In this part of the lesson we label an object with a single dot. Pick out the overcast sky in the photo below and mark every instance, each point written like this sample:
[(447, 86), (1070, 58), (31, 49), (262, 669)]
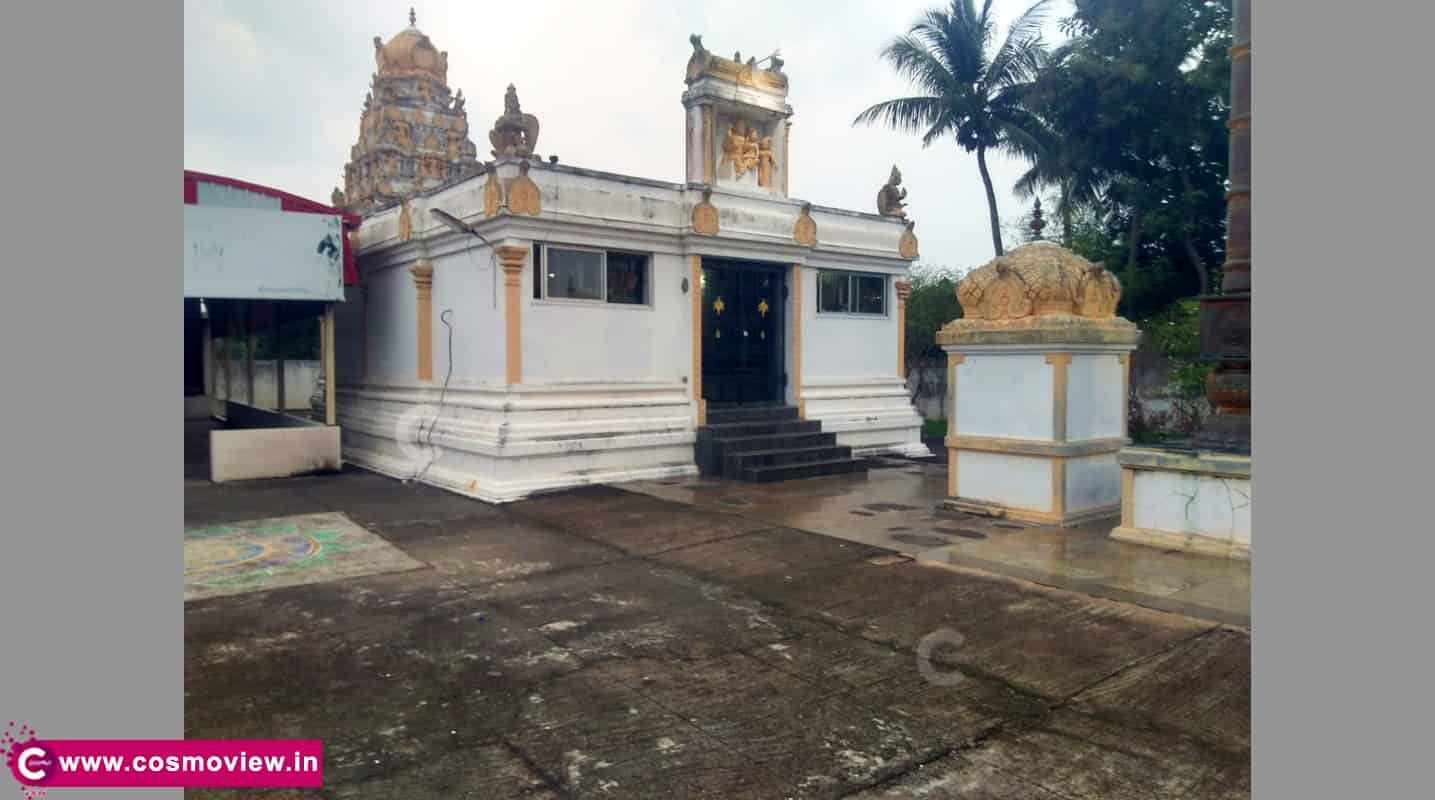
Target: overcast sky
[(273, 91)]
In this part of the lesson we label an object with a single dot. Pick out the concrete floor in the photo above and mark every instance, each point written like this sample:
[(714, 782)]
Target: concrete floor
[(607, 643), (896, 506)]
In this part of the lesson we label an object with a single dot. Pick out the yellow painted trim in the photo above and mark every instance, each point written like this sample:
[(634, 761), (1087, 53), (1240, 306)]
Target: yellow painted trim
[(697, 293), (1036, 447), (999, 511), (1189, 542), (423, 287), (1059, 362), (512, 259), (951, 473), (1128, 485), (797, 340), (903, 288), (1125, 390)]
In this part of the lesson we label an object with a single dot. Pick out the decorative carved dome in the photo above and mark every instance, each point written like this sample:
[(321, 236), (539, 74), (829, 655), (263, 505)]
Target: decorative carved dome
[(411, 53), (1038, 286)]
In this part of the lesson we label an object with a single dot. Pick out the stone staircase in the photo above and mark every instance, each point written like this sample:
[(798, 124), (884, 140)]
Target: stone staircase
[(769, 443)]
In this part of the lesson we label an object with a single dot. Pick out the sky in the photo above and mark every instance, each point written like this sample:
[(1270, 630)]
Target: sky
[(273, 91)]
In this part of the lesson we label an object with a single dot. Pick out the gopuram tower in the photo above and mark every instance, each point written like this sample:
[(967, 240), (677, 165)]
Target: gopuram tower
[(413, 134)]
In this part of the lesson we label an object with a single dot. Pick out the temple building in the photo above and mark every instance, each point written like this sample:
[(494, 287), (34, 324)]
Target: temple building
[(413, 134), (538, 325)]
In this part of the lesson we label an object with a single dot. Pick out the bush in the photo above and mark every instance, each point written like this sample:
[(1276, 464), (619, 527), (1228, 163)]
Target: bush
[(932, 304), (1174, 332)]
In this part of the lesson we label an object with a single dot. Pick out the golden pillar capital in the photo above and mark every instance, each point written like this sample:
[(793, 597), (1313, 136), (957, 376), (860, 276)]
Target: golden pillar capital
[(423, 276), (512, 259)]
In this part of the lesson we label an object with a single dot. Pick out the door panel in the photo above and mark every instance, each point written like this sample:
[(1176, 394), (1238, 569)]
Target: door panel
[(742, 308)]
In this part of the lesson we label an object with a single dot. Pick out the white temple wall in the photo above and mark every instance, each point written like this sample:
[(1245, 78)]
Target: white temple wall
[(847, 345), (393, 324), (850, 379), (1096, 405), (470, 284), (1005, 394), (587, 341)]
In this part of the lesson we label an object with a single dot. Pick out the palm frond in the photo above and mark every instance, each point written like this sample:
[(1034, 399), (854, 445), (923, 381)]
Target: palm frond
[(1022, 53), (918, 64), (905, 114)]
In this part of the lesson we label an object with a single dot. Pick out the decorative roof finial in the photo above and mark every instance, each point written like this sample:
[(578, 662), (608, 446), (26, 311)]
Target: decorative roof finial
[(413, 18), (1037, 223)]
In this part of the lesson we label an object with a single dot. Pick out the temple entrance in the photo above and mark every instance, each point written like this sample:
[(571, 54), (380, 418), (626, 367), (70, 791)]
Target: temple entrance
[(743, 304)]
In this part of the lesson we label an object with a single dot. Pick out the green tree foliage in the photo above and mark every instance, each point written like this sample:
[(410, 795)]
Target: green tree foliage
[(1174, 332), (1136, 105), (965, 88), (932, 304)]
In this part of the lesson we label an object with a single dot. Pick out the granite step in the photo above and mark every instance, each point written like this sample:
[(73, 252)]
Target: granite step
[(781, 441), (722, 416), (843, 466), (734, 430), (734, 463)]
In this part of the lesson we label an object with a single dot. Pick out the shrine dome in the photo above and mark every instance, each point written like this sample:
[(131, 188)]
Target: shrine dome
[(410, 52), (1042, 288)]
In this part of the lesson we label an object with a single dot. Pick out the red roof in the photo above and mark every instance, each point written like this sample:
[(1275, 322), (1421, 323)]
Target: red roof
[(287, 202)]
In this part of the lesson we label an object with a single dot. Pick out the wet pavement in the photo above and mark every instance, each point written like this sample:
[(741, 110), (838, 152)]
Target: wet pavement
[(607, 643), (897, 506)]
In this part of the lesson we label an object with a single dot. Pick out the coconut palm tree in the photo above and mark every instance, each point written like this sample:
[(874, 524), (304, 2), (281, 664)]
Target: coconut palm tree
[(964, 91)]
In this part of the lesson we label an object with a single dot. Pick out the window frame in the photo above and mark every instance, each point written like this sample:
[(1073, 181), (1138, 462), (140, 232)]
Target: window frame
[(852, 294), (541, 254)]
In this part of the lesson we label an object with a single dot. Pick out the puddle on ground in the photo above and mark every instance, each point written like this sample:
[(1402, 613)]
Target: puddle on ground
[(897, 528), (965, 533), (887, 559), (888, 507), (861, 513), (920, 540), (733, 502), (1010, 526)]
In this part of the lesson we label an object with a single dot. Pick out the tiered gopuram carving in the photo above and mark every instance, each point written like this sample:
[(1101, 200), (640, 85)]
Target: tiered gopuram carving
[(413, 134)]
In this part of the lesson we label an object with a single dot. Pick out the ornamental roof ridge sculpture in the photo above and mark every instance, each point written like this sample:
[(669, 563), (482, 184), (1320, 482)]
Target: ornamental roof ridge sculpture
[(413, 133), (704, 63), (1038, 292)]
